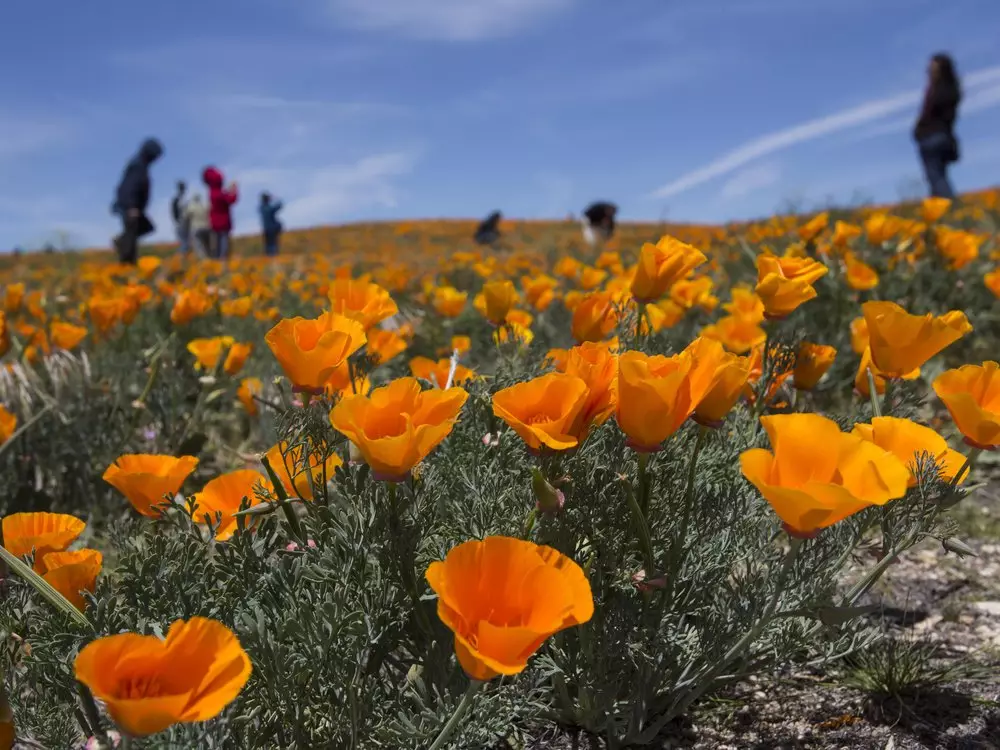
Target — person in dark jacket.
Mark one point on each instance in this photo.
(180, 222)
(935, 128)
(132, 198)
(488, 231)
(599, 222)
(220, 203)
(269, 224)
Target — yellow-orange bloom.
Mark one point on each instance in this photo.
(363, 301)
(503, 597)
(240, 307)
(437, 372)
(656, 393)
(190, 304)
(13, 297)
(908, 441)
(498, 299)
(449, 302)
(539, 290)
(461, 344)
(148, 480)
(595, 317)
(861, 383)
(860, 275)
(731, 380)
(384, 345)
(71, 573)
(745, 304)
(662, 265)
(245, 393)
(901, 342)
(812, 228)
(992, 281)
(932, 209)
(843, 233)
(959, 248)
(882, 227)
(298, 474)
(224, 495)
(236, 358)
(8, 424)
(41, 532)
(972, 395)
(309, 350)
(149, 684)
(596, 365)
(397, 425)
(811, 364)
(739, 335)
(209, 351)
(815, 475)
(859, 335)
(544, 411)
(66, 335)
(785, 283)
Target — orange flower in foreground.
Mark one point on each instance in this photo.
(815, 475)
(71, 573)
(397, 425)
(544, 411)
(901, 342)
(149, 684)
(385, 345)
(861, 377)
(503, 597)
(731, 381)
(498, 299)
(449, 302)
(224, 495)
(236, 358)
(859, 335)
(785, 283)
(908, 441)
(148, 480)
(363, 301)
(932, 209)
(972, 395)
(662, 265)
(309, 350)
(8, 424)
(745, 304)
(811, 364)
(437, 372)
(66, 335)
(295, 476)
(812, 228)
(595, 317)
(656, 393)
(41, 532)
(596, 366)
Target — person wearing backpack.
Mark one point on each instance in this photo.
(270, 225)
(132, 199)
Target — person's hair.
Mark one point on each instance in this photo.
(946, 66)
(265, 197)
(181, 185)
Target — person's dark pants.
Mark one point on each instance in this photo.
(220, 245)
(271, 243)
(487, 237)
(936, 152)
(127, 243)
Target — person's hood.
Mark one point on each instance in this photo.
(150, 150)
(212, 177)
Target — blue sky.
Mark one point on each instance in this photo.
(368, 109)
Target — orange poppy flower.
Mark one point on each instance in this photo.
(295, 476)
(811, 229)
(901, 343)
(907, 441)
(190, 304)
(656, 394)
(498, 297)
(591, 278)
(208, 352)
(745, 304)
(861, 384)
(731, 381)
(236, 358)
(785, 283)
(932, 209)
(66, 335)
(859, 335)
(363, 301)
(385, 345)
(957, 247)
(224, 495)
(662, 265)
(13, 297)
(882, 227)
(71, 573)
(992, 281)
(596, 365)
(687, 293)
(148, 480)
(811, 364)
(595, 317)
(397, 425)
(8, 424)
(738, 334)
(240, 307)
(437, 372)
(843, 233)
(515, 332)
(245, 393)
(449, 302)
(461, 344)
(539, 290)
(544, 411)
(41, 532)
(972, 395)
(815, 475)
(309, 350)
(860, 276)
(503, 597)
(149, 684)
(340, 383)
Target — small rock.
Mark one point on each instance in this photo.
(991, 609)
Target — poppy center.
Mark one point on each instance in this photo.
(139, 686)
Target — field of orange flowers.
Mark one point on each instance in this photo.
(395, 490)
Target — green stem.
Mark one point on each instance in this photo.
(642, 530)
(678, 548)
(639, 317)
(873, 394)
(286, 507)
(92, 715)
(644, 484)
(44, 588)
(42, 412)
(405, 563)
(456, 718)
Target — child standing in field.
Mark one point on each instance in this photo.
(196, 216)
(269, 223)
(220, 202)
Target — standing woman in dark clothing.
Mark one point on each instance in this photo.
(131, 200)
(935, 128)
(488, 231)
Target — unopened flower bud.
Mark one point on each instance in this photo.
(548, 498)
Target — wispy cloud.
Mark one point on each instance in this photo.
(753, 178)
(24, 134)
(452, 20)
(811, 130)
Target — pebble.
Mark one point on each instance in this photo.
(991, 609)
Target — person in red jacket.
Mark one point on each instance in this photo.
(220, 202)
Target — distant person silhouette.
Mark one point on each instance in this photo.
(934, 131)
(599, 222)
(196, 216)
(131, 200)
(488, 232)
(180, 223)
(220, 202)
(270, 226)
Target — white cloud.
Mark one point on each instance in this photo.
(24, 134)
(453, 20)
(809, 131)
(747, 181)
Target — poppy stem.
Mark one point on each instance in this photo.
(642, 530)
(92, 715)
(44, 588)
(286, 507)
(873, 394)
(406, 563)
(644, 483)
(677, 549)
(456, 718)
(638, 319)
